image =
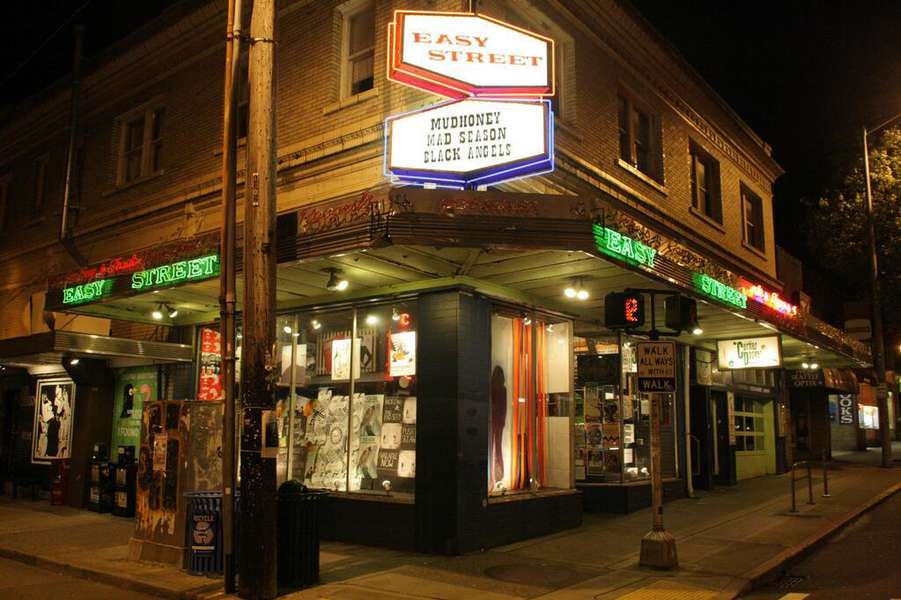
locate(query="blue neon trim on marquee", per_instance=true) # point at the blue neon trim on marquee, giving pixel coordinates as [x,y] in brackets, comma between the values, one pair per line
[508,172]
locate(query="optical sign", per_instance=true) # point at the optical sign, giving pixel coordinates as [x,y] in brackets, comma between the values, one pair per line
[193,269]
[472,142]
[460,55]
[623,247]
[720,291]
[87,292]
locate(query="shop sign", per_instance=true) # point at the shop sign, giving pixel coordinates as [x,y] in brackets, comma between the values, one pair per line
[719,291]
[460,55]
[656,367]
[470,142]
[182,271]
[767,298]
[846,409]
[87,292]
[617,245]
[749,353]
[806,378]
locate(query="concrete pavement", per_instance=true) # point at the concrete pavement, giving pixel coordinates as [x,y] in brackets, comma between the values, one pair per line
[724,537]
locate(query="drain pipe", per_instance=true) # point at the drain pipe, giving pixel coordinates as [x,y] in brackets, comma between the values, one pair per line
[686,391]
[65,230]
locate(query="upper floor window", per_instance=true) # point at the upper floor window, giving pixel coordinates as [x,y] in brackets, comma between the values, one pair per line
[705,183]
[4,201]
[39,193]
[752,219]
[140,144]
[358,48]
[638,138]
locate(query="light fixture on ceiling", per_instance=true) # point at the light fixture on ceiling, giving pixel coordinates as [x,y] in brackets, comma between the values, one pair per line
[335,283]
[74,361]
[576,290]
[316,324]
[395,316]
[814,366]
[157,313]
[371,319]
[697,330]
[173,312]
[287,329]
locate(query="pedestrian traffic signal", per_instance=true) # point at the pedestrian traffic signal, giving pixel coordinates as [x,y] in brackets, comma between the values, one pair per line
[623,310]
[681,313]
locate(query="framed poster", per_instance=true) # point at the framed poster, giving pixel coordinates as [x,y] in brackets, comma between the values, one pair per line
[209,385]
[134,387]
[54,417]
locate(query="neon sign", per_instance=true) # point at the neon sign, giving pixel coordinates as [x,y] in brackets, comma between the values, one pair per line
[87,292]
[470,142]
[461,55]
[202,267]
[617,245]
[770,299]
[719,291]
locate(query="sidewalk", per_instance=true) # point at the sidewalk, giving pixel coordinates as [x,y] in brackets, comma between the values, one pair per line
[723,537]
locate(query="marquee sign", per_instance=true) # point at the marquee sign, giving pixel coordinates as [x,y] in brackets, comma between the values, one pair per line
[749,353]
[767,298]
[620,246]
[461,55]
[720,291]
[470,142]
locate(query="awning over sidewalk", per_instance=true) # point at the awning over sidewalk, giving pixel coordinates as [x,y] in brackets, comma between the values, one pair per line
[52,346]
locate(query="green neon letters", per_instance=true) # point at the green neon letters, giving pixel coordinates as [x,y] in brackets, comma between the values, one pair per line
[719,291]
[617,245]
[87,292]
[202,267]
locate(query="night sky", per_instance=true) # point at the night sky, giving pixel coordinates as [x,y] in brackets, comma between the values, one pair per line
[804,74]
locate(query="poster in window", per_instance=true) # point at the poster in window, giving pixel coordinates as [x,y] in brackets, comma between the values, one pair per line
[397,449]
[403,354]
[53,420]
[367,421]
[134,387]
[611,435]
[300,364]
[209,384]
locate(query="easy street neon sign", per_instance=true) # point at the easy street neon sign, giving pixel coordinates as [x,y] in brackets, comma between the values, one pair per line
[202,267]
[87,292]
[767,298]
[617,245]
[719,291]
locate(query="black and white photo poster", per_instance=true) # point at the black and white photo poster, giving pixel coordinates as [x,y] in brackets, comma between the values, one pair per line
[54,417]
[397,448]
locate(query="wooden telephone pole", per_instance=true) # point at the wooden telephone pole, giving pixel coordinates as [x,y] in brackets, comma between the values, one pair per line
[258,479]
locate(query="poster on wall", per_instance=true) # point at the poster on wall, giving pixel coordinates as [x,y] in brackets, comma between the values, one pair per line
[134,387]
[54,415]
[209,384]
[403,354]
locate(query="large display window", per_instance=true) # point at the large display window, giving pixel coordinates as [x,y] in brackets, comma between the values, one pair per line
[612,426]
[352,398]
[531,404]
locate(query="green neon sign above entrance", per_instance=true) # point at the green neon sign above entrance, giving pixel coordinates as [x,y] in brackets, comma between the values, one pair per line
[620,246]
[719,291]
[202,267]
[87,292]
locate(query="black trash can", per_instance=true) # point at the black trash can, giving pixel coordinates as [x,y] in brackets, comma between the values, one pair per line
[298,534]
[203,533]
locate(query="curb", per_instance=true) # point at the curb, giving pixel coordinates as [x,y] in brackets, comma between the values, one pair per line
[107,578]
[771,568]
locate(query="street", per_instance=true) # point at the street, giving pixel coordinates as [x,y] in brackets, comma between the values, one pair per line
[24,582]
[859,563]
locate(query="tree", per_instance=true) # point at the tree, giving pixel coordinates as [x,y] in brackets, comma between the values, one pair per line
[837,230]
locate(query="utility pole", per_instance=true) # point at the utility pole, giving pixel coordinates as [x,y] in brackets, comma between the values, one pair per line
[227,286]
[876,308]
[258,480]
[658,546]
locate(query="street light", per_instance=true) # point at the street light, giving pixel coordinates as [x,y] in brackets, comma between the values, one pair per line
[875,305]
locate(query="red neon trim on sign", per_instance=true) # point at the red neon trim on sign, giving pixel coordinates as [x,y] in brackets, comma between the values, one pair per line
[770,299]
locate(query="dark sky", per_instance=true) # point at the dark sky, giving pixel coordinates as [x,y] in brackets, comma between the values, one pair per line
[804,74]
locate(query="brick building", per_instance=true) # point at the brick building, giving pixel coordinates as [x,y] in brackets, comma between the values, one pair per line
[644,150]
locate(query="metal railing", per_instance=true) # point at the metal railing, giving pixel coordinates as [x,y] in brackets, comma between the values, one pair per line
[807,464]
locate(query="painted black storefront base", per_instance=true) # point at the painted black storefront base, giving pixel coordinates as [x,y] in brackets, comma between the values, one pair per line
[625,498]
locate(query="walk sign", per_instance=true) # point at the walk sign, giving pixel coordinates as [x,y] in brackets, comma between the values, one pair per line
[656,367]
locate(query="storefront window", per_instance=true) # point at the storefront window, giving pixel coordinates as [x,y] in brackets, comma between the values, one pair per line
[749,425]
[612,420]
[529,444]
[354,425]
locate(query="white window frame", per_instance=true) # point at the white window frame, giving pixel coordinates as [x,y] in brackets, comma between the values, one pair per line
[745,194]
[147,112]
[348,11]
[655,147]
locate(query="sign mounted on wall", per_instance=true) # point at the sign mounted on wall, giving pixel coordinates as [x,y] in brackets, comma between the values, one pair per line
[470,142]
[749,353]
[461,55]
